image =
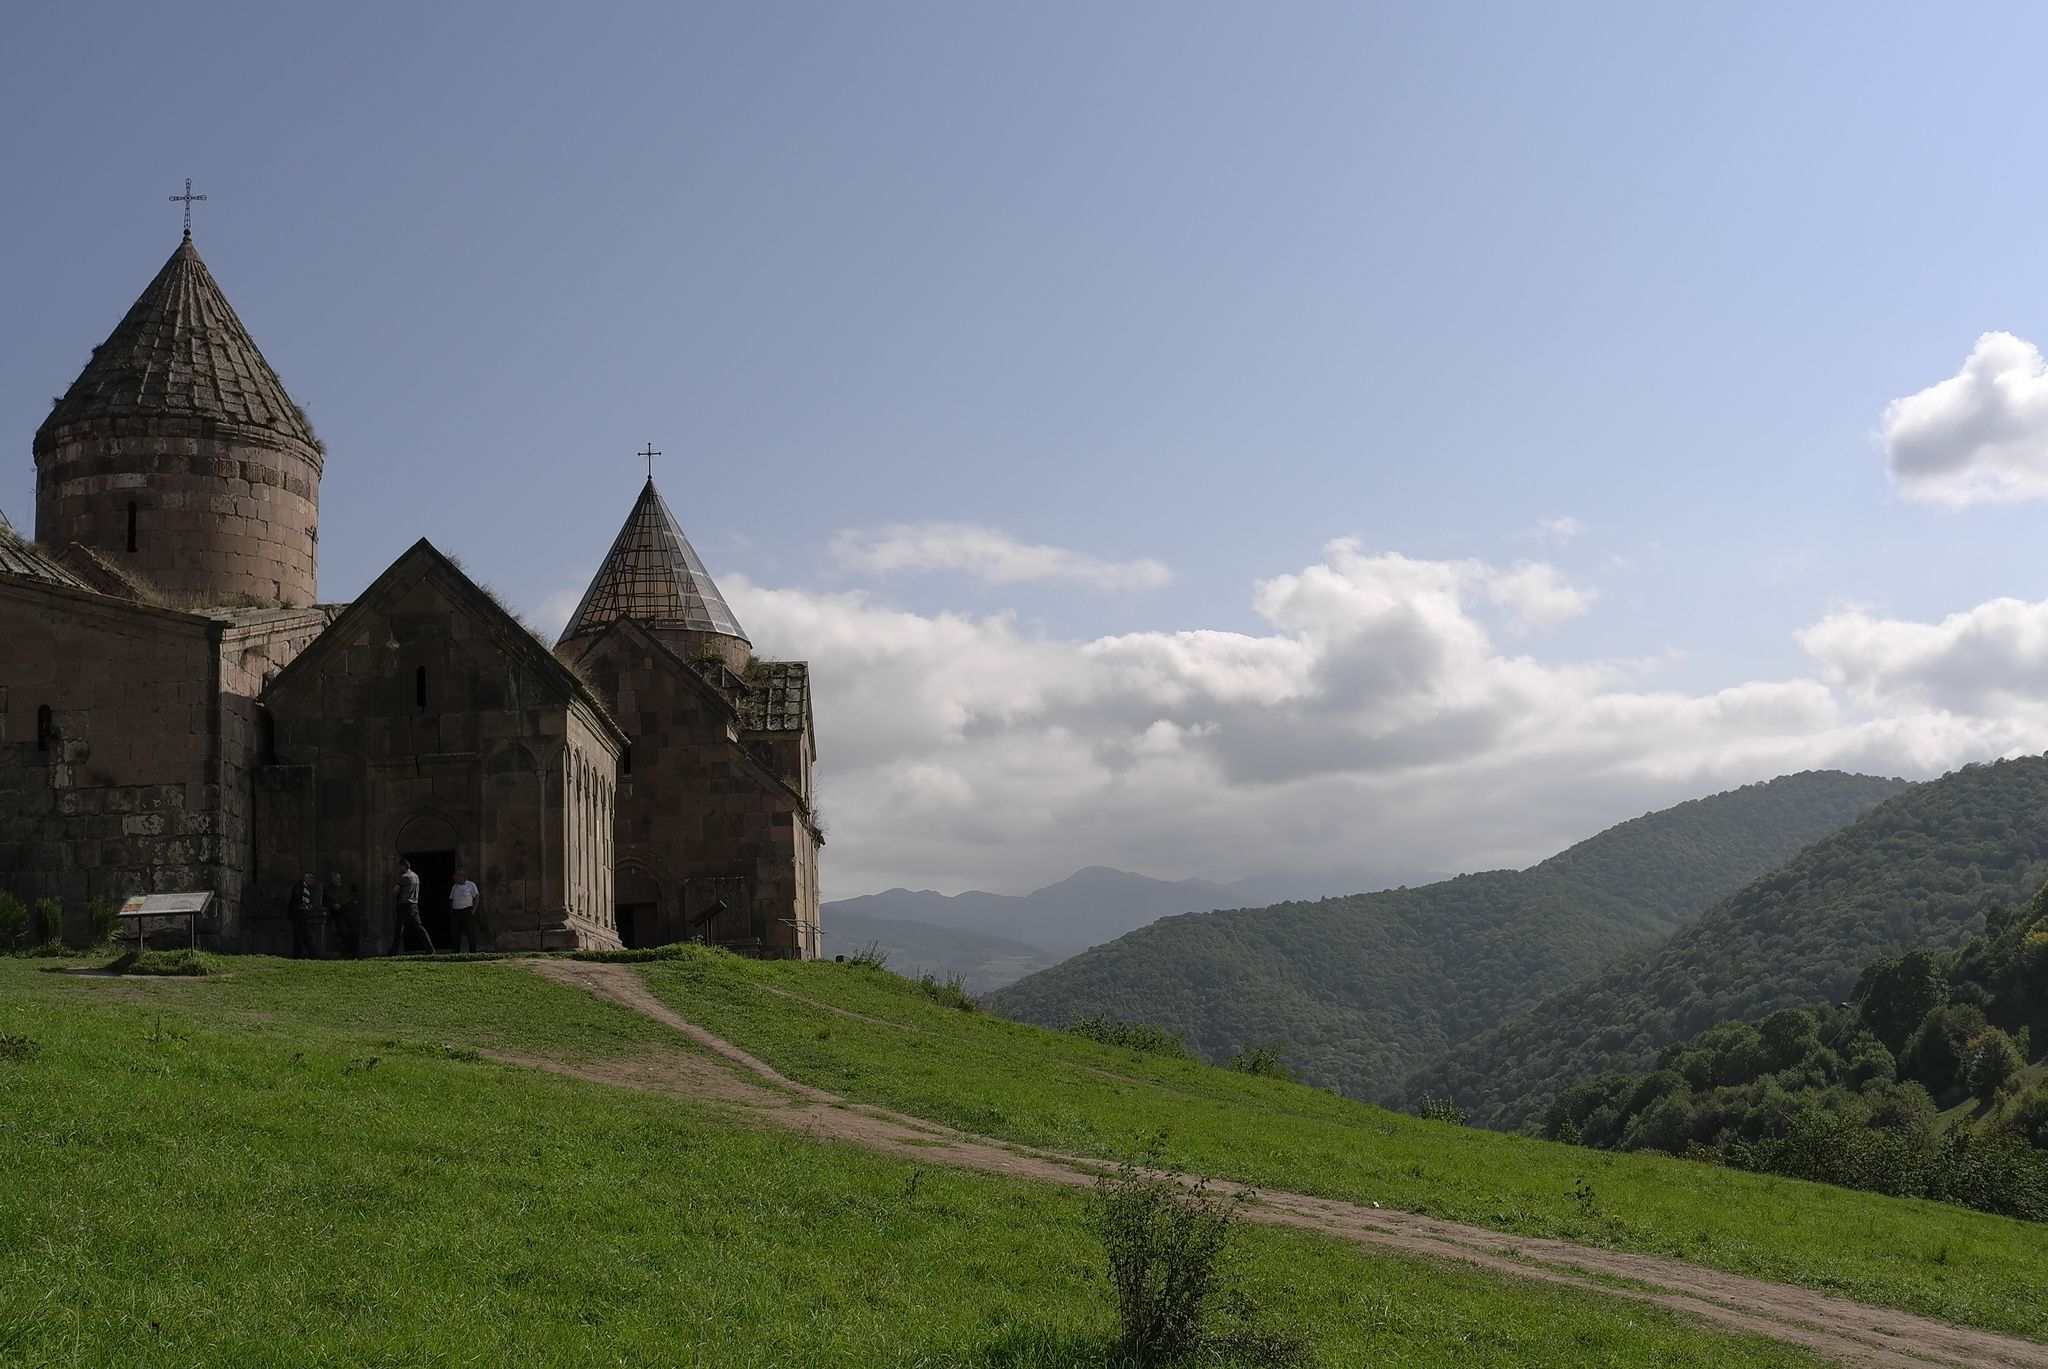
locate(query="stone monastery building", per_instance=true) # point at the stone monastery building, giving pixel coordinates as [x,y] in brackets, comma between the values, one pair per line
[179,711]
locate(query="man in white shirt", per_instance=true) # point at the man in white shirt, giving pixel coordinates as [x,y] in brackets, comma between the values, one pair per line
[462,905]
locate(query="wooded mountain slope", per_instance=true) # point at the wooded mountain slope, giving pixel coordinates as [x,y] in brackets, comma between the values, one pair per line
[1920,870]
[1365,988]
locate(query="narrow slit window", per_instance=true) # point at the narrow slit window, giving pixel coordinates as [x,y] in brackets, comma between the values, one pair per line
[419,688]
[46,729]
[131,525]
[626,760]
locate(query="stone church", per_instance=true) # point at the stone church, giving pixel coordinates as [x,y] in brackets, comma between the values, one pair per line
[180,712]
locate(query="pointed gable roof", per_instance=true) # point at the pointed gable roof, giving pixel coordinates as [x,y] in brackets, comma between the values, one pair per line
[652,575]
[181,350]
[420,561]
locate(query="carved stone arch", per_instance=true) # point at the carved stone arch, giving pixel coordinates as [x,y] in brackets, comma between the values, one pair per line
[511,758]
[640,902]
[429,829]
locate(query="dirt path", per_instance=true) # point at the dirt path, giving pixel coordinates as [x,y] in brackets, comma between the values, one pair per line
[1847,1332]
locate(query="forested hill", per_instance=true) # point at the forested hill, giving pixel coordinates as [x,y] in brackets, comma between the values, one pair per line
[1364,989]
[1922,869]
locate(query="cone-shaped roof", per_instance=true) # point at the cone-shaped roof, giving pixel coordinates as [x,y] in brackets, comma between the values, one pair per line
[652,575]
[181,350]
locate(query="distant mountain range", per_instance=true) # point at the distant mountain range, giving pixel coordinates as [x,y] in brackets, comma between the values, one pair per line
[1919,870]
[1020,933]
[1366,988]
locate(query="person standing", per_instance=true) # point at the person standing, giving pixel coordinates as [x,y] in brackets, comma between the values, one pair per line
[341,915]
[298,909]
[405,909]
[462,904]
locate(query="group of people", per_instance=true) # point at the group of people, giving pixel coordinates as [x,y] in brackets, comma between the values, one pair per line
[338,904]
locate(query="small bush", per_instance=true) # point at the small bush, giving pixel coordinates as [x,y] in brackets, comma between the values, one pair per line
[1165,1243]
[870,956]
[950,992]
[49,922]
[102,916]
[13,923]
[19,1047]
[1440,1110]
[1264,1062]
[1137,1036]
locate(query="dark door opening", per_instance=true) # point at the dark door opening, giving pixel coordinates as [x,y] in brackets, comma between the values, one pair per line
[436,870]
[637,927]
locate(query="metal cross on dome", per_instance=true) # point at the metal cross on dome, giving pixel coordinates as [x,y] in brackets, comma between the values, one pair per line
[649,454]
[188,197]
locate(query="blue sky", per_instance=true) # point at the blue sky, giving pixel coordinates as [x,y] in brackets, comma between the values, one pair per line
[1177,294]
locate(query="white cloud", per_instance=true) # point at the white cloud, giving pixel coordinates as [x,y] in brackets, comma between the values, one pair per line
[1377,720]
[1555,532]
[988,554]
[1979,436]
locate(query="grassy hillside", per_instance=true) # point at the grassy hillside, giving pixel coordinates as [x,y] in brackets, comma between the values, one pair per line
[318,1164]
[1922,869]
[1365,989]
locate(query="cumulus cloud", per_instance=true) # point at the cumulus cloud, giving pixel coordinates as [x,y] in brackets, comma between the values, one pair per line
[988,554]
[1386,714]
[1980,436]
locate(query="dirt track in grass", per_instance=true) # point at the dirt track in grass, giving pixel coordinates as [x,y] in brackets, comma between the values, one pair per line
[1847,1332]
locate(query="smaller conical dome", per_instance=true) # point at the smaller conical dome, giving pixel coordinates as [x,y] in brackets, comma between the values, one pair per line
[181,351]
[653,576]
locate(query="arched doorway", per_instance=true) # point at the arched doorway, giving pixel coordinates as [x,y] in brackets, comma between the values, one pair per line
[429,841]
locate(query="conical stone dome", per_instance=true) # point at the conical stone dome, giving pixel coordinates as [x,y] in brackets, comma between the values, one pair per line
[178,456]
[654,576]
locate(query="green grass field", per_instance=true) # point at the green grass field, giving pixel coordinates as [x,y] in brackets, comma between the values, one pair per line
[1058,1091]
[212,1171]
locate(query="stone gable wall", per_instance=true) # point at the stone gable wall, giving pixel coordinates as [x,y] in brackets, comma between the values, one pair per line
[422,721]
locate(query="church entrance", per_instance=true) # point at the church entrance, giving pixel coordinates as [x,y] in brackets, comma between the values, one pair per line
[636,900]
[436,870]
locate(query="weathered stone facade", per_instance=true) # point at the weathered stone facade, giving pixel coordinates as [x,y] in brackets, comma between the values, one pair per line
[428,723]
[717,840]
[177,715]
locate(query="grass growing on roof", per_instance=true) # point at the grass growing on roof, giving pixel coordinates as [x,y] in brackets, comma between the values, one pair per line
[315,1161]
[871,1036]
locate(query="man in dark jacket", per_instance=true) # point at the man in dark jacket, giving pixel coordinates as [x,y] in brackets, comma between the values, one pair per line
[340,906]
[298,908]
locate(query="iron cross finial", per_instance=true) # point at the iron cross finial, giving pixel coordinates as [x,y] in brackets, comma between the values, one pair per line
[188,197]
[650,454]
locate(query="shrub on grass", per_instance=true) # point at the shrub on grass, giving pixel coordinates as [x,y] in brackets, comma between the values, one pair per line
[1440,1110]
[49,926]
[1164,1242]
[950,992]
[1137,1036]
[870,957]
[1264,1062]
[19,1047]
[13,923]
[102,915]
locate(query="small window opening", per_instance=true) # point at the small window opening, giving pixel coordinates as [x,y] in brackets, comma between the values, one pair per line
[46,728]
[626,760]
[419,688]
[266,736]
[131,525]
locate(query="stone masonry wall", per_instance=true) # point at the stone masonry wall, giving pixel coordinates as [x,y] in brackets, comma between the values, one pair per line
[221,514]
[701,821]
[114,791]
